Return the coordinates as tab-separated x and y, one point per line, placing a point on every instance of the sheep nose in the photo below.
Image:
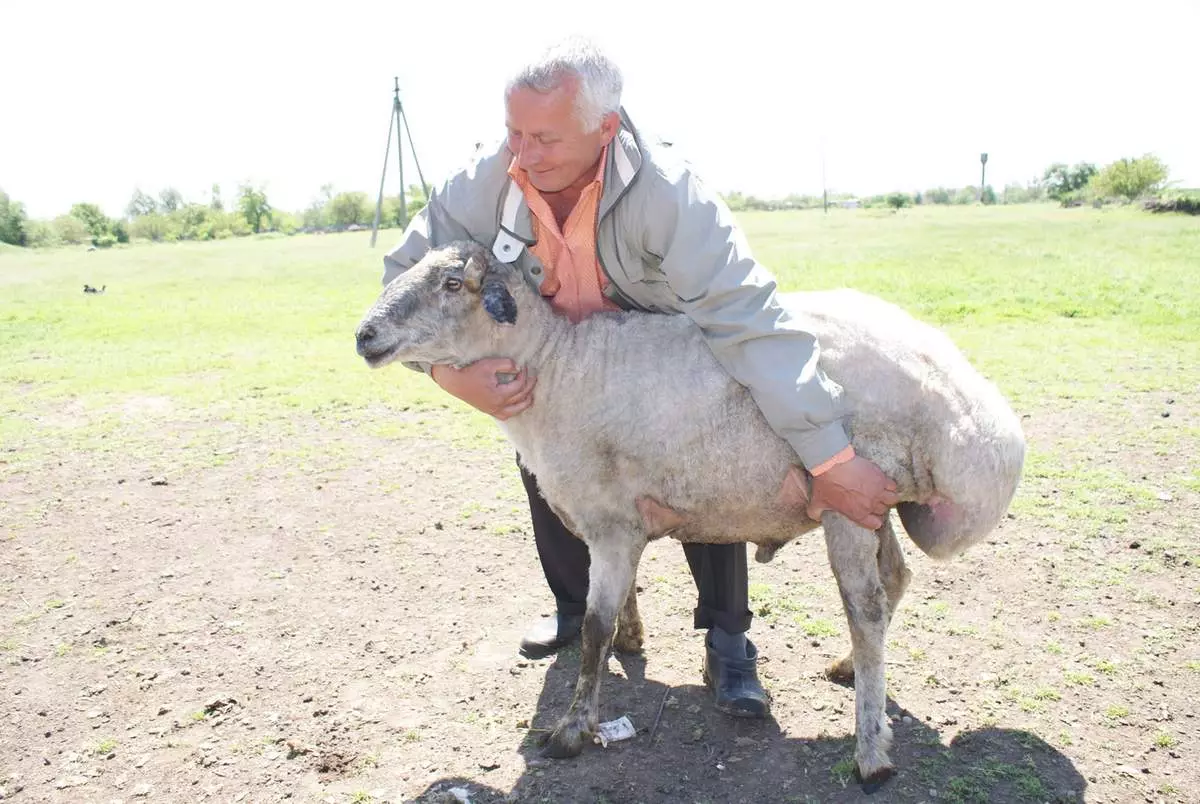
366	333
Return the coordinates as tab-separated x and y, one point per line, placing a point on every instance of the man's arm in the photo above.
721	287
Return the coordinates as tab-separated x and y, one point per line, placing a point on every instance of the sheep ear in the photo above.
474	270
499	303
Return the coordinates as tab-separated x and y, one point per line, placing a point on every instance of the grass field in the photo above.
1053	304
229	366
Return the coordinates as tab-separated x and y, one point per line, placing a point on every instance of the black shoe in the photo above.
734	683
549	634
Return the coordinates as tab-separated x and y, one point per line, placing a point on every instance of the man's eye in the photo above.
453	283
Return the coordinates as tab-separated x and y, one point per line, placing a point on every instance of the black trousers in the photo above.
719	570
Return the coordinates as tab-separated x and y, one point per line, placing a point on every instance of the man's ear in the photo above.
610	124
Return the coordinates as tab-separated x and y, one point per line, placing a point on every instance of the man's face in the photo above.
548	139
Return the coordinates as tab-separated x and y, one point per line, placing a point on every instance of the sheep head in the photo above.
447	308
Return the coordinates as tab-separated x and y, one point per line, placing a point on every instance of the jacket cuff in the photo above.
820	446
842	457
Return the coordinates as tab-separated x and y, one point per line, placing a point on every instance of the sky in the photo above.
100	98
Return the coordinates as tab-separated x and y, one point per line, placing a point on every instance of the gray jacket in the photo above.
667	244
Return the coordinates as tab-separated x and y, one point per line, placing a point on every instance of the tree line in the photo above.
1125	180
169	217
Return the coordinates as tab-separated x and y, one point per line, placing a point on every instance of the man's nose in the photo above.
529	155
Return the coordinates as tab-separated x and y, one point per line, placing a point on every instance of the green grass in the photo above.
249	332
1076	679
996	781
843	771
1076	314
1165	740
1116	712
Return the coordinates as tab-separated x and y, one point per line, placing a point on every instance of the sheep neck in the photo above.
540	333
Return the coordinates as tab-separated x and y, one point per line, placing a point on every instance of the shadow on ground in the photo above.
695	754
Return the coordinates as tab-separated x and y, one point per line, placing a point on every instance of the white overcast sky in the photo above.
98	98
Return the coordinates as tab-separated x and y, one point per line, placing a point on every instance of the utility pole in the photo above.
398	122
824	187
982	175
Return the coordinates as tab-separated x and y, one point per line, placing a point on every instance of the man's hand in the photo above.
856	489
479	386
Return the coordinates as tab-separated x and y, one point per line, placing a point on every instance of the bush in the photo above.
938	195
1130	178
237	225
989	195
1018	194
1186	202
39	234
1061	181
284	222
349	208
196	221
1076	198
898	200
155	227
12	221
93	219
966	195
70	230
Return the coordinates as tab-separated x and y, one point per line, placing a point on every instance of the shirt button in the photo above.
537	269
506	247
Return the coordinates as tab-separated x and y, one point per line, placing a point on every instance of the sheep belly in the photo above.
770	522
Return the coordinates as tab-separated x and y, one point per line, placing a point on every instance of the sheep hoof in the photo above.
875	781
871	758
842	670
565	742
628	640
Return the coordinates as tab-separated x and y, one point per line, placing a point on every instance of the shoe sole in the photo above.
734	711
538	651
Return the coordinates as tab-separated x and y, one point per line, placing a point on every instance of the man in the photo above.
598	220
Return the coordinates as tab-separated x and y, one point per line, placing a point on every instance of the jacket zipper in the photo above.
622	298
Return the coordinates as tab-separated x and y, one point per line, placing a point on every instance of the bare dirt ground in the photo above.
320	615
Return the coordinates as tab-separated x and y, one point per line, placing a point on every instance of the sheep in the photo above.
637	432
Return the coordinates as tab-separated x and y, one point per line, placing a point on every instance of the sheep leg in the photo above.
895	575
630	633
610	580
854	557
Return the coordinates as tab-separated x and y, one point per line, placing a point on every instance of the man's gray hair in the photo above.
600	80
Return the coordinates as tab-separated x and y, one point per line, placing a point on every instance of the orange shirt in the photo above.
573	280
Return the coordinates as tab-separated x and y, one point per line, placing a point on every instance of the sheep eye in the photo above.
453	283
